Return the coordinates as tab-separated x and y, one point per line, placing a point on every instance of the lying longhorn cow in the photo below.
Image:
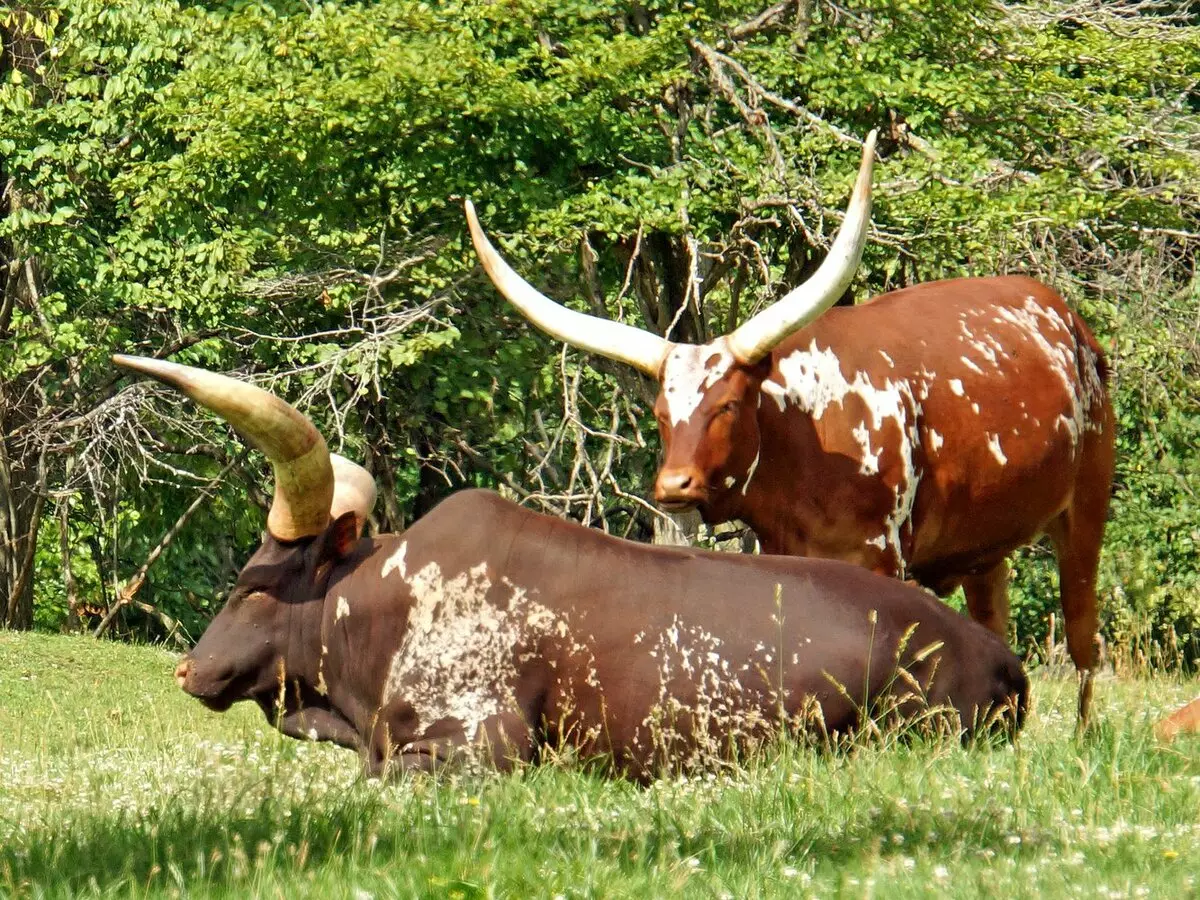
488	625
925	434
1185	720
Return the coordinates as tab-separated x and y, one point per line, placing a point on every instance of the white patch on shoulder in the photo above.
689	371
887	359
935	441
395	562
776	392
956	387
343	609
458	656
994	446
813	381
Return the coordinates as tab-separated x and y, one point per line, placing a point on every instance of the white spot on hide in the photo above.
813	381
343	609
956	387
752	469
994	446
1047	330
395	562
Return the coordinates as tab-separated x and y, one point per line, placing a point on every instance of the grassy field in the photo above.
112	782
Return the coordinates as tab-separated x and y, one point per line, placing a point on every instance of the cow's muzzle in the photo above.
678	490
181	672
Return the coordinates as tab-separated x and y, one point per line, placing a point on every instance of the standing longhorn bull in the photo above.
925	434
487	625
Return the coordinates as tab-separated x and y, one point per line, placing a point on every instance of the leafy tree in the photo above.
274	189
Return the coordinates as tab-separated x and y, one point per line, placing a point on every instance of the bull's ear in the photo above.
339	538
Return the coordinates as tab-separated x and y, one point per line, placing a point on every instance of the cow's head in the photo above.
707	407
265	644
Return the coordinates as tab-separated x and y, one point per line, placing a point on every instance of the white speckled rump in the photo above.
813	381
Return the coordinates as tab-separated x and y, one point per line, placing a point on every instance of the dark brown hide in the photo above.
925	434
489	624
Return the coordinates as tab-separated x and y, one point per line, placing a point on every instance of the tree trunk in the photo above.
22	461
22	500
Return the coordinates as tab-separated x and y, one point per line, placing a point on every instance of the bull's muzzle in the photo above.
679	489
181	672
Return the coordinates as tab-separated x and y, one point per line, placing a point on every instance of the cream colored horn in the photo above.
304	482
759	335
616	340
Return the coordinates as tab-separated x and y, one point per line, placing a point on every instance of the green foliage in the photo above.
274	188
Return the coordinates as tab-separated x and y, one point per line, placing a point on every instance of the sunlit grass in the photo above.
114	783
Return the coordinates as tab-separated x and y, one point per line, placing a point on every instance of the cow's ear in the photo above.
340	537
762	369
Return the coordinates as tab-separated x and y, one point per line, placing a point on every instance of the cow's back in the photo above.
974	397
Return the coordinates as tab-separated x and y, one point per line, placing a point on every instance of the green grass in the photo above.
112	782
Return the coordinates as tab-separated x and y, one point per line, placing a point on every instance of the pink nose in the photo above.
181	672
679	486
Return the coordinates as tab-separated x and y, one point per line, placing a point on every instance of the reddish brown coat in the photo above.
925	434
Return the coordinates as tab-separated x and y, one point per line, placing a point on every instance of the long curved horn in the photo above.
759	335
616	340
353	490
303	474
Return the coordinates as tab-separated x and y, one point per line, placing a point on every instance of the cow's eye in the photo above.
728	408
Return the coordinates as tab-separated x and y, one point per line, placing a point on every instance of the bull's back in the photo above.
625	628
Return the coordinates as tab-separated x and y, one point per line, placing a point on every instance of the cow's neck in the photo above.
776	501
353	653
303	651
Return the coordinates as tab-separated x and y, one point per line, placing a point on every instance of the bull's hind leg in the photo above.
1077	535
987	598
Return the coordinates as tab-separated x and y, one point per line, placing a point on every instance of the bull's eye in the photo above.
728	409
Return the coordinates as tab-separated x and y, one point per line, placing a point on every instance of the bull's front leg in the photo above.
505	740
311	723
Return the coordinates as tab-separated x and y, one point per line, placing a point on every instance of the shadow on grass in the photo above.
189	846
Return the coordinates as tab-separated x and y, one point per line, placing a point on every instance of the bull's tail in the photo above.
1085	338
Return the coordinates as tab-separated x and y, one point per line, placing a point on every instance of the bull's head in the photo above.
707	407
261	645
